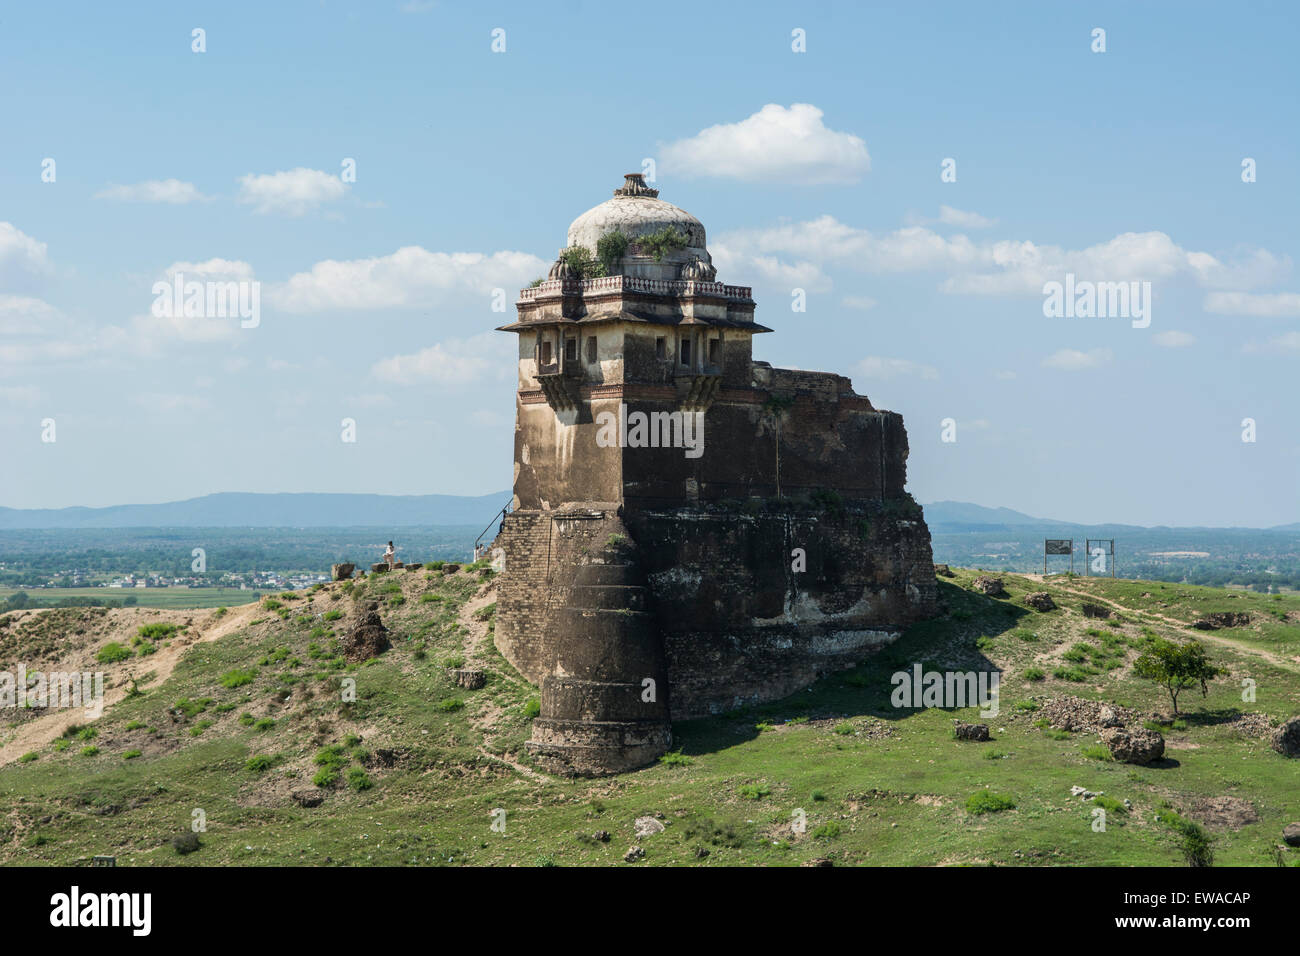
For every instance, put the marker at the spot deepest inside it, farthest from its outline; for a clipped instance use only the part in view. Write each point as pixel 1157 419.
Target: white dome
pixel 635 211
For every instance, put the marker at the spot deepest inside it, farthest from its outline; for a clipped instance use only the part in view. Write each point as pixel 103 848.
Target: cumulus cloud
pixel 788 145
pixel 881 368
pixel 454 362
pixel 966 220
pixel 292 192
pixel 410 276
pixel 172 191
pixel 1173 339
pixel 1003 267
pixel 21 256
pixel 1267 305
pixel 1074 360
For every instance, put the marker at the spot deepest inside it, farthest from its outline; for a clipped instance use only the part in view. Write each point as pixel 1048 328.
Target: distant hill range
pixel 247 510
pixel 959 516
pixel 240 510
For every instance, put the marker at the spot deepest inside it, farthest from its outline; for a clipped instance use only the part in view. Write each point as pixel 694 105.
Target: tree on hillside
pixel 1177 667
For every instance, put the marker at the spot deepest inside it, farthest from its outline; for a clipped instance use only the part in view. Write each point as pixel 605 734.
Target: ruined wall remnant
pixel 693 531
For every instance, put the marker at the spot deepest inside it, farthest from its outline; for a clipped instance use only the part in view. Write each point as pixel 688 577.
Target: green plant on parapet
pixel 610 249
pixel 582 264
pixel 661 243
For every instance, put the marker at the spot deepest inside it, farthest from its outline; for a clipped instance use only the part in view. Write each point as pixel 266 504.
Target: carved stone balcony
pixel 560 386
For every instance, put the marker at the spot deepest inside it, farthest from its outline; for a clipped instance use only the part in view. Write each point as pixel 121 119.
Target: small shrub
pixel 754 791
pixel 358 779
pixel 186 843
pixel 676 759
pixel 131 754
pixel 1097 752
pixel 114 653
pixel 1034 674
pixel 532 707
pixel 29 757
pixel 843 729
pixel 238 677
pixel 158 631
pixel 325 778
pixel 89 751
pixel 259 764
pixel 827 831
pixel 452 704
pixel 986 801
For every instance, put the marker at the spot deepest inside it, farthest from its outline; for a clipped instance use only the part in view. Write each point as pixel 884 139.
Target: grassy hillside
pixel 247 710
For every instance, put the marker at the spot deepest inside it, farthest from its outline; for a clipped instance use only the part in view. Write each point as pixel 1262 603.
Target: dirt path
pixel 1226 642
pixel 40 733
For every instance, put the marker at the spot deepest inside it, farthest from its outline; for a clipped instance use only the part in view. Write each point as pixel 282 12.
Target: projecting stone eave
pixel 602 318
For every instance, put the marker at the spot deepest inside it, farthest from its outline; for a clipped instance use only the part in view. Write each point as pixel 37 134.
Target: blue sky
pixel 817 170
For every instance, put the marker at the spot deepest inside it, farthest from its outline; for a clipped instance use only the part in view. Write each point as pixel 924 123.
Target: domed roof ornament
pixel 560 269
pixel 697 270
pixel 634 185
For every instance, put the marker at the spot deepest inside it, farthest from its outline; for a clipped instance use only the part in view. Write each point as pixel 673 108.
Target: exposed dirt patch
pixel 1223 813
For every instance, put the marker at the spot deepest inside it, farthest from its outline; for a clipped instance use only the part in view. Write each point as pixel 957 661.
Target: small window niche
pixel 591 350
pixel 570 350
pixel 715 351
pixel 546 353
pixel 684 351
pixel 661 348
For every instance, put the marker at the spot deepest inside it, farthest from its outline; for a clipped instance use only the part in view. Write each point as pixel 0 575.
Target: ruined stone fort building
pixel 691 531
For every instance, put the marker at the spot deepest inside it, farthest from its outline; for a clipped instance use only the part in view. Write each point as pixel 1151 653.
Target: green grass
pixel 726 788
pixel 176 599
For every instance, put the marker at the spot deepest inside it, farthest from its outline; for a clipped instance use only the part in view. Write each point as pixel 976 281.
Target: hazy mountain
pixel 236 509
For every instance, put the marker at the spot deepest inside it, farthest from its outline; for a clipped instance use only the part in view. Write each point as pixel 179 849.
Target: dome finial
pixel 634 185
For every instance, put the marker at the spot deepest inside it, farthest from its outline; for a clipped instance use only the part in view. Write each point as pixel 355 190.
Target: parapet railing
pixel 635 284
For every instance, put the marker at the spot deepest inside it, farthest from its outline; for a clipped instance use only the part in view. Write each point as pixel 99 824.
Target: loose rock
pixel 1134 746
pixel 1286 739
pixel 1040 601
pixel 965 731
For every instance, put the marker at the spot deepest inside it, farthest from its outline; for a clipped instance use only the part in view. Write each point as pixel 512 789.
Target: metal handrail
pixel 504 511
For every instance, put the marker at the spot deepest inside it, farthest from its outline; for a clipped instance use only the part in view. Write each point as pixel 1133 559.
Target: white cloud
pixel 1268 305
pixel 19 394
pixel 1074 360
pixel 216 269
pixel 172 191
pixel 24 315
pixel 1005 375
pixel 1173 339
pixel 1000 267
pixel 170 401
pixel 489 355
pixel 966 220
pixel 863 302
pixel 20 254
pixel 775 144
pixel 1286 343
pixel 410 276
pixel 291 192
pixel 878 367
